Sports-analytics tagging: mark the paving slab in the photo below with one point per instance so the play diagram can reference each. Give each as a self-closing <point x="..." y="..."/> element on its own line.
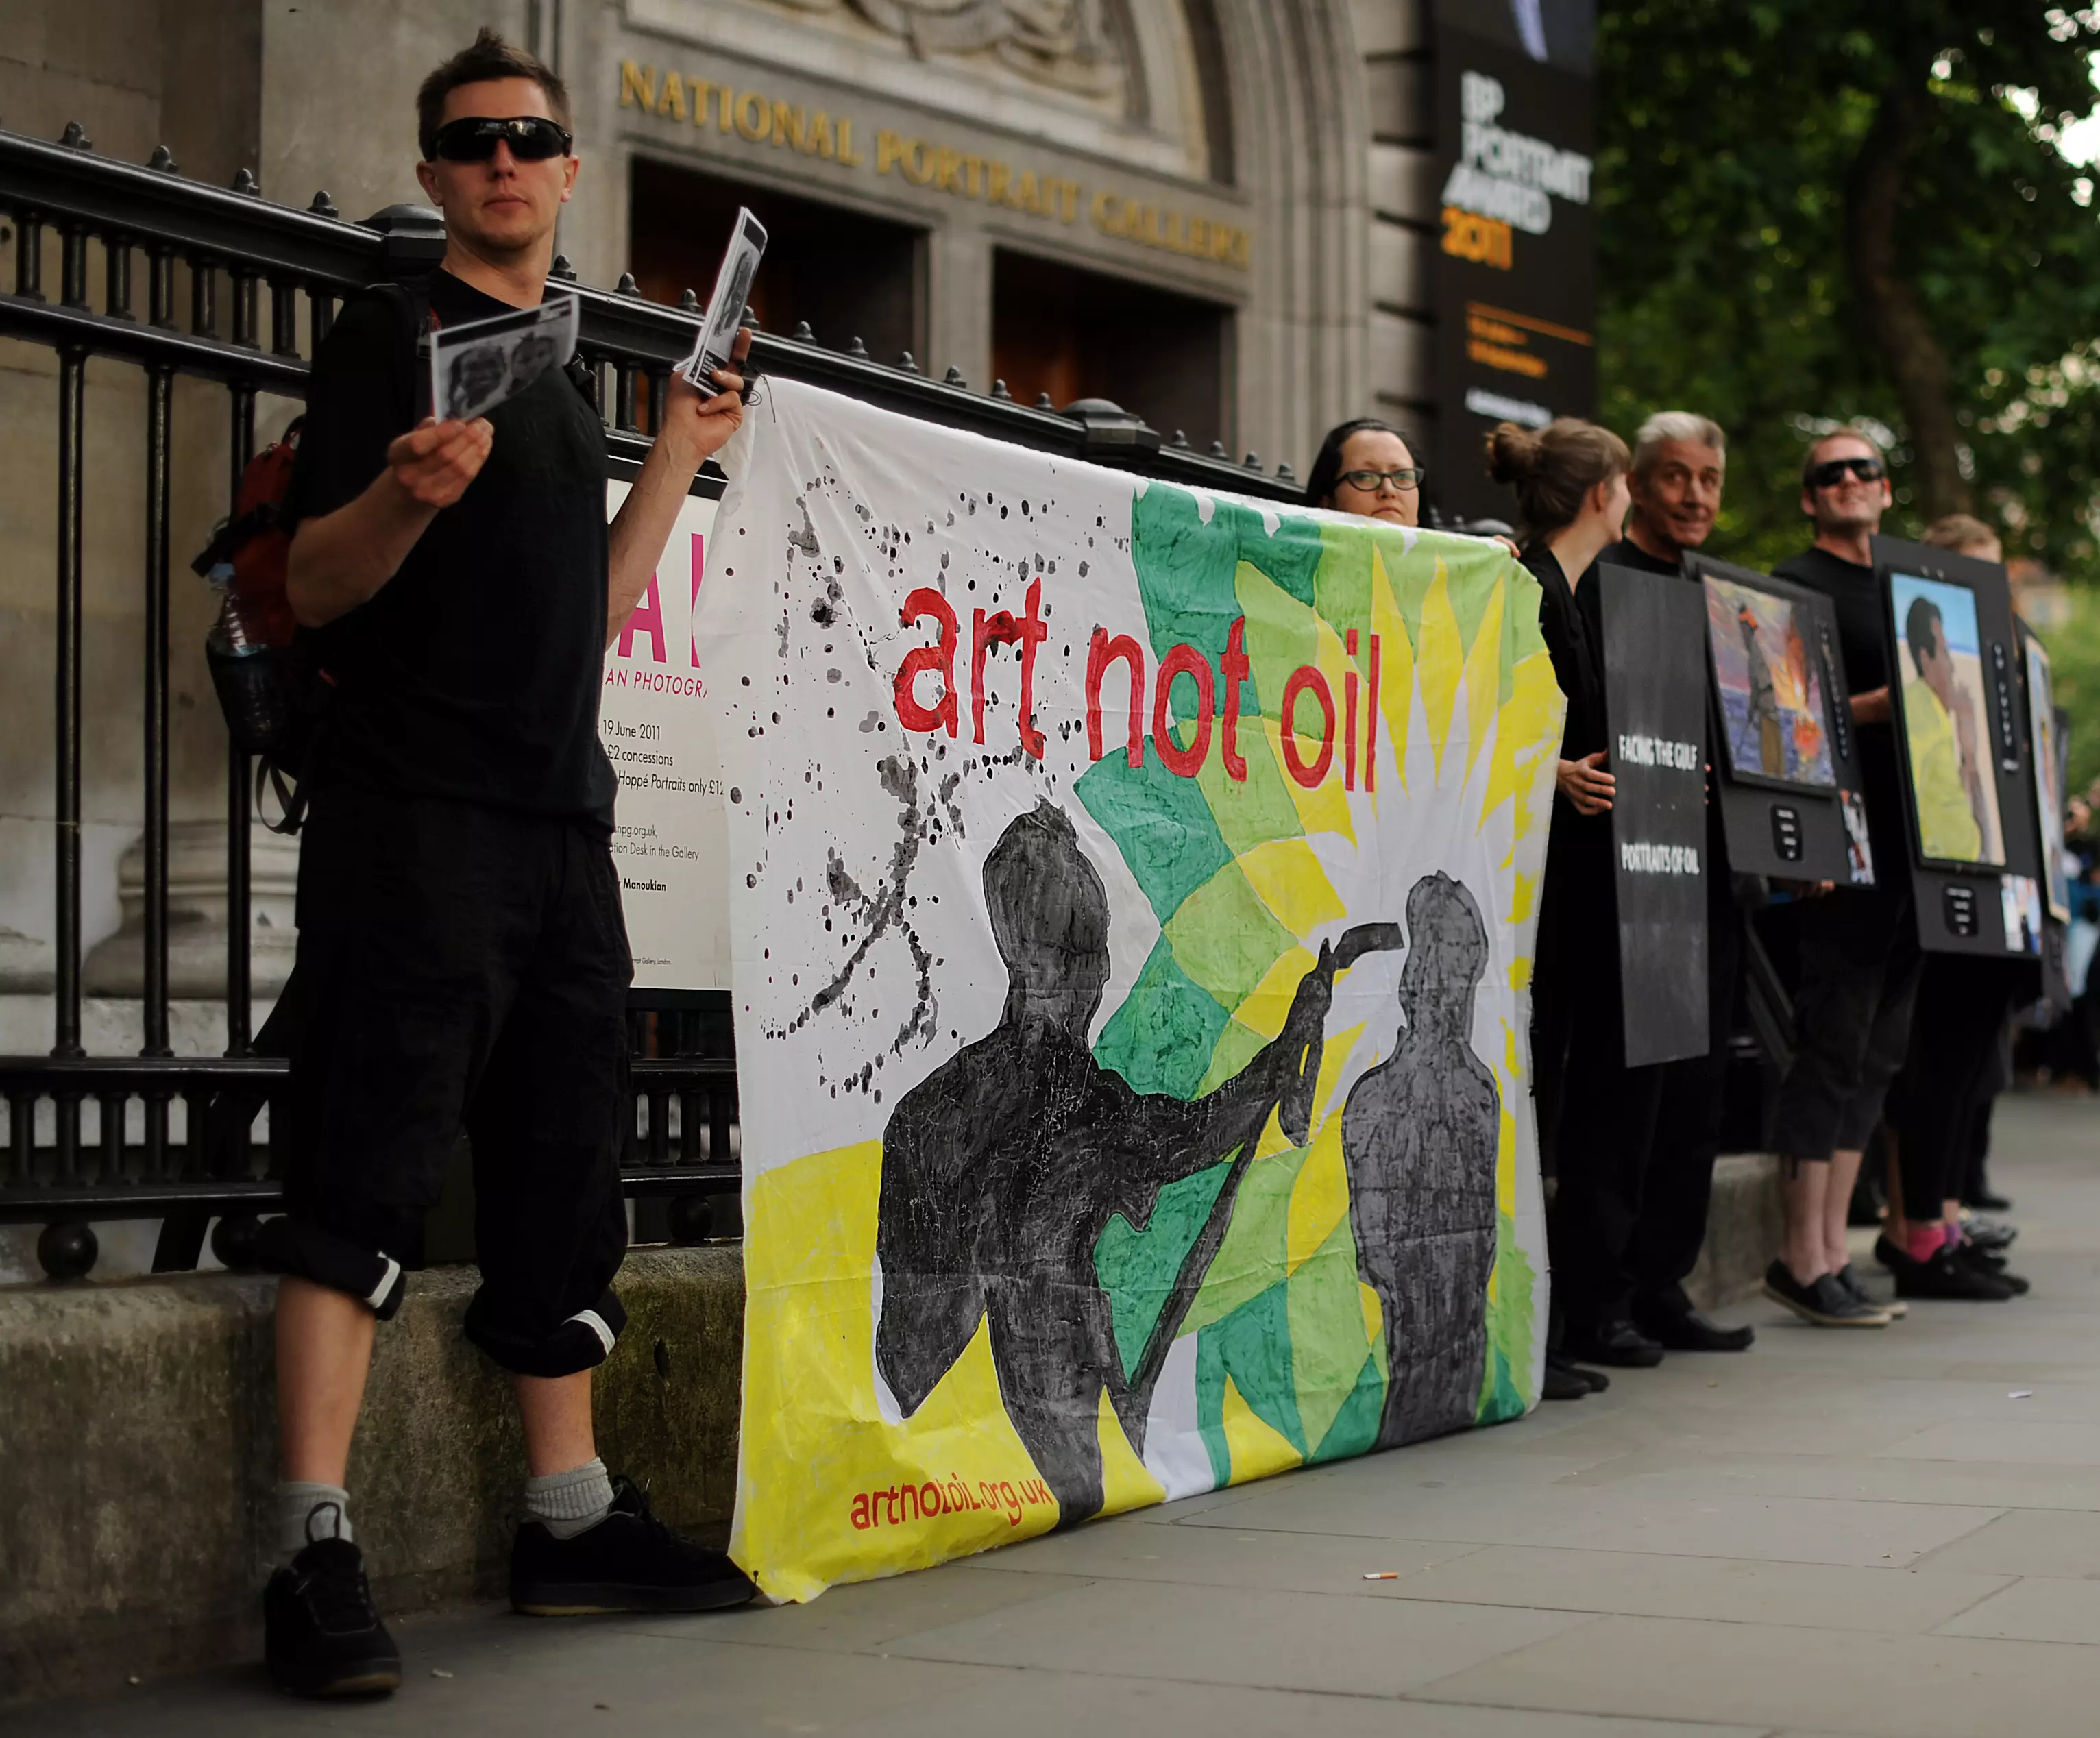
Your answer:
<point x="1768" y="1674"/>
<point x="1729" y="1590"/>
<point x="1832" y="1536"/>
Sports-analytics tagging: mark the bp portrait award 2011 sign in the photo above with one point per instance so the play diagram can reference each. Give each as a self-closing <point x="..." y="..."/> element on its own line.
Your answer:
<point x="1131" y="902"/>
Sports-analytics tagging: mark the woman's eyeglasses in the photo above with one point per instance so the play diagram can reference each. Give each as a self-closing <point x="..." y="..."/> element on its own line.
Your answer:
<point x="1832" y="472"/>
<point x="1406" y="477"/>
<point x="473" y="138"/>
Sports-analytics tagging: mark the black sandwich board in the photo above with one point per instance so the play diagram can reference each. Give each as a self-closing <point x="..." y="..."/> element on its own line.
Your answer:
<point x="1655" y="709"/>
<point x="1959" y="708"/>
<point x="1793" y="802"/>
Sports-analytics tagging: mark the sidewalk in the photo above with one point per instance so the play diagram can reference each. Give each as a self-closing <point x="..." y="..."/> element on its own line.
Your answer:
<point x="1837" y="1533"/>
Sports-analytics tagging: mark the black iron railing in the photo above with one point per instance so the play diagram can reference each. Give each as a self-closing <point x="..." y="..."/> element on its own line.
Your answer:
<point x="174" y="1138"/>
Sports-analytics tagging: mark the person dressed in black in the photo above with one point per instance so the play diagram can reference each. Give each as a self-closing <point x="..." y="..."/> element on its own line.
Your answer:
<point x="1679" y="466"/>
<point x="1596" y="1116"/>
<point x="1858" y="946"/>
<point x="1939" y="1109"/>
<point x="462" y="960"/>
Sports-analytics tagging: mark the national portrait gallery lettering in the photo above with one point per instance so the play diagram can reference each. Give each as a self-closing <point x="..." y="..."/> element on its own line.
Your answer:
<point x="760" y="119"/>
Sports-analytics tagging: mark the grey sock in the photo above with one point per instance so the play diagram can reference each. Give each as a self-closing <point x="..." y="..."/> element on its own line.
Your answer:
<point x="305" y="1512"/>
<point x="568" y="1503"/>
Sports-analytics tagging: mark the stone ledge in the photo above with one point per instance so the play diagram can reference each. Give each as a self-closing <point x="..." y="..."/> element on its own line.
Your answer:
<point x="137" y="1440"/>
<point x="1743" y="1228"/>
<point x="138" y="1443"/>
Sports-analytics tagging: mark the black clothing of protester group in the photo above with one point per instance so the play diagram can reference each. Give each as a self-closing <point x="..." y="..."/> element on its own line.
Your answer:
<point x="1632" y="1150"/>
<point x="463" y="961"/>
<point x="1879" y="1029"/>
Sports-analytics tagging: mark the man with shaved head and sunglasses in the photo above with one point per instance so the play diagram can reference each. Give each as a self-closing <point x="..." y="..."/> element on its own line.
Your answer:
<point x="463" y="965"/>
<point x="1860" y="962"/>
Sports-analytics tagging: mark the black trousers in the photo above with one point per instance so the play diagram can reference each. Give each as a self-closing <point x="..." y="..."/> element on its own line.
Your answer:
<point x="1677" y="1187"/>
<point x="1949" y="1077"/>
<point x="1860" y="966"/>
<point x="1597" y="1117"/>
<point x="462" y="968"/>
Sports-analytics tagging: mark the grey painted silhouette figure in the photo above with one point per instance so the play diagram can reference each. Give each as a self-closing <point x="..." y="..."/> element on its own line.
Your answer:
<point x="1418" y="1137"/>
<point x="1001" y="1170"/>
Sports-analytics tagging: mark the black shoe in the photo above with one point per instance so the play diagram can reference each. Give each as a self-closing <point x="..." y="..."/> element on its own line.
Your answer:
<point x="1823" y="1301"/>
<point x="1941" y="1275"/>
<point x="1681" y="1328"/>
<point x="1984" y="1200"/>
<point x="1562" y="1381"/>
<point x="322" y="1635"/>
<point x="1620" y="1343"/>
<point x="628" y="1562"/>
<point x="1990" y="1266"/>
<point x="1991" y="1234"/>
<point x="1895" y="1309"/>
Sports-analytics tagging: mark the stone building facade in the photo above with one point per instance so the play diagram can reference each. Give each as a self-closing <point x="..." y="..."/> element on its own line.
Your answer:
<point x="1217" y="212"/>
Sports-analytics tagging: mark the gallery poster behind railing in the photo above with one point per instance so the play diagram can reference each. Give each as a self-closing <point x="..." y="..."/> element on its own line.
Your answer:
<point x="657" y="721"/>
<point x="1132" y="897"/>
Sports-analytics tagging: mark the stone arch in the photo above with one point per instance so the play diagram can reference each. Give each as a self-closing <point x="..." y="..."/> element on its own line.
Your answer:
<point x="1299" y="130"/>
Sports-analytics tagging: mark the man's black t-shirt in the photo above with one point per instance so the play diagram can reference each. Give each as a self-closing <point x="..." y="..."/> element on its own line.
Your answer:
<point x="474" y="672"/>
<point x="1862" y="646"/>
<point x="1625" y="553"/>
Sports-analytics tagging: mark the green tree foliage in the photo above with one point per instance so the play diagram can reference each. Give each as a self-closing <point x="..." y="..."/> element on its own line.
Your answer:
<point x="1823" y="209"/>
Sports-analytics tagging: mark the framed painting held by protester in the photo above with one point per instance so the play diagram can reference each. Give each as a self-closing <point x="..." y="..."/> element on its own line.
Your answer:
<point x="1959" y="714"/>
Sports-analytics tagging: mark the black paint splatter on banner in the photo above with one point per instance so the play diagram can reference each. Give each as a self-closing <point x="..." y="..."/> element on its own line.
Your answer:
<point x="1001" y="1170"/>
<point x="1419" y="1132"/>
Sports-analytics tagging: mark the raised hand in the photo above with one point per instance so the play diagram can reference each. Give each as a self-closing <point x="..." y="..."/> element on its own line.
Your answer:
<point x="699" y="427"/>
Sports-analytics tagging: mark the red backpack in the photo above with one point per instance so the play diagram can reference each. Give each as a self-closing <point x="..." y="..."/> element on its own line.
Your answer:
<point x="270" y="688"/>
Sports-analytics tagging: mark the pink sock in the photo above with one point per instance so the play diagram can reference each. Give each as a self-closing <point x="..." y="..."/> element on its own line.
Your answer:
<point x="1924" y="1242"/>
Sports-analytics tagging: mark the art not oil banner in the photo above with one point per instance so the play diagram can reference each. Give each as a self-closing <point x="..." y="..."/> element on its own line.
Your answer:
<point x="1133" y="894"/>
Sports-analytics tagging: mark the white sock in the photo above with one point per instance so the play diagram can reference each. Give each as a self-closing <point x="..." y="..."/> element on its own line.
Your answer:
<point x="568" y="1503"/>
<point x="305" y="1512"/>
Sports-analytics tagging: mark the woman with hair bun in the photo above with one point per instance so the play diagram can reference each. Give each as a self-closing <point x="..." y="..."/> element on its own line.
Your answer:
<point x="1595" y="1115"/>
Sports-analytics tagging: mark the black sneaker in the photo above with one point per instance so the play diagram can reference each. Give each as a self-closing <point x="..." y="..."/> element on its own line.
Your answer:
<point x="1562" y="1381"/>
<point x="1674" y="1325"/>
<point x="1823" y="1301"/>
<point x="1619" y="1343"/>
<point x="321" y="1635"/>
<point x="1993" y="1234"/>
<point x="1848" y="1277"/>
<point x="1942" y="1275"/>
<point x="1993" y="1267"/>
<point x="628" y="1562"/>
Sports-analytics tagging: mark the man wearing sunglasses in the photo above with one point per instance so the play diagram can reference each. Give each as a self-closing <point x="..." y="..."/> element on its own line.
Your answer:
<point x="1859" y="956"/>
<point x="463" y="965"/>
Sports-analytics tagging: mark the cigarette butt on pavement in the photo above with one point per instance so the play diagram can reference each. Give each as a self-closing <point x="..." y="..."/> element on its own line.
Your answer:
<point x="1383" y="1575"/>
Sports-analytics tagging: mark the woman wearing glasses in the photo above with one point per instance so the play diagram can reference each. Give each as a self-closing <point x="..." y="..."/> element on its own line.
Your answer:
<point x="1365" y="467"/>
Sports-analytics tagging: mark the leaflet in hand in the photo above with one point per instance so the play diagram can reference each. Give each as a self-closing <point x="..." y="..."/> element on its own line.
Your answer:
<point x="717" y="334"/>
<point x="477" y="366"/>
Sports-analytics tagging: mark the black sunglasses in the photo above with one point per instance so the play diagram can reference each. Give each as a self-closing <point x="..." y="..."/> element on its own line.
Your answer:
<point x="1831" y="472"/>
<point x="473" y="138"/>
<point x="1403" y="477"/>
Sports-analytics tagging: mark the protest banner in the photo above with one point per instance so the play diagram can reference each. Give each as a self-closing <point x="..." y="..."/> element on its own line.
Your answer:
<point x="1655" y="705"/>
<point x="1132" y="897"/>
